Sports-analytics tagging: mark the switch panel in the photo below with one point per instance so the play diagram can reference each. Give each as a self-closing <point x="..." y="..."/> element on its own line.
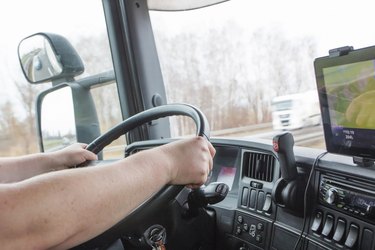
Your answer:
<point x="251" y="229"/>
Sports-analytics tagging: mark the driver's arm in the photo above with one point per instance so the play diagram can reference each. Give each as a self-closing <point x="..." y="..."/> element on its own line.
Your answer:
<point x="62" y="209"/>
<point x="13" y="169"/>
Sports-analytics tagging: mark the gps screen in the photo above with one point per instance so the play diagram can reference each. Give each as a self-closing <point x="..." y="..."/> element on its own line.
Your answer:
<point x="346" y="87"/>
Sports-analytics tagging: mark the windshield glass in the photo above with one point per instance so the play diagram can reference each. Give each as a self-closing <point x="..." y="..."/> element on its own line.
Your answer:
<point x="282" y="105"/>
<point x="234" y="59"/>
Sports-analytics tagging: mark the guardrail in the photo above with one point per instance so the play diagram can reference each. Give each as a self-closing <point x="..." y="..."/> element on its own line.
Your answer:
<point x="251" y="129"/>
<point x="310" y="139"/>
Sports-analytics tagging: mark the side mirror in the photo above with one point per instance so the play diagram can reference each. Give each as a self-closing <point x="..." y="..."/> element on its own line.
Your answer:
<point x="57" y="120"/>
<point x="49" y="57"/>
<point x="66" y="114"/>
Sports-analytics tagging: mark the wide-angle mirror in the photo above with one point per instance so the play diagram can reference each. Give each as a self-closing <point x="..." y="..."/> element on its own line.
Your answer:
<point x="57" y="119"/>
<point x="38" y="59"/>
<point x="48" y="57"/>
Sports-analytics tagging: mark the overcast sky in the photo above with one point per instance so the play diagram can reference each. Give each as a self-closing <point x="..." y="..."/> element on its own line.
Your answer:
<point x="18" y="21"/>
<point x="320" y="18"/>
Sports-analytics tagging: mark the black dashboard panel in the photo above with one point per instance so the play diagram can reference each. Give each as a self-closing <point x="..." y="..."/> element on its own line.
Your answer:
<point x="260" y="225"/>
<point x="340" y="201"/>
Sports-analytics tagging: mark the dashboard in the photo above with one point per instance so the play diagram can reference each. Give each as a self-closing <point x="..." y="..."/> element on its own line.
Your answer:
<point x="339" y="202"/>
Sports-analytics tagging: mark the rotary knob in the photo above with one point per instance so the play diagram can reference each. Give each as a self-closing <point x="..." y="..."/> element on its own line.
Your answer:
<point x="331" y="196"/>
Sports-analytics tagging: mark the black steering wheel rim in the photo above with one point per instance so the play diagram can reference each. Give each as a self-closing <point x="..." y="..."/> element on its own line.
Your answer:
<point x="167" y="193"/>
<point x="150" y="115"/>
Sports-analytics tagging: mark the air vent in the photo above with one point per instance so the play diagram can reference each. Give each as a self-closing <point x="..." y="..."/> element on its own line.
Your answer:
<point x="258" y="166"/>
<point x="132" y="151"/>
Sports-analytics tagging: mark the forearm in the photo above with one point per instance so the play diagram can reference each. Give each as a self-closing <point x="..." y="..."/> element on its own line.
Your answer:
<point x="94" y="200"/>
<point x="13" y="169"/>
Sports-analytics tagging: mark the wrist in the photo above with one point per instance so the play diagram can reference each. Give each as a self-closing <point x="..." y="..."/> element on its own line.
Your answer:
<point x="161" y="164"/>
<point x="166" y="162"/>
<point x="53" y="160"/>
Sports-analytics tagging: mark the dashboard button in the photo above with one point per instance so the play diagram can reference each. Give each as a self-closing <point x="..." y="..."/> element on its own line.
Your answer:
<point x="238" y="230"/>
<point x="351" y="239"/>
<point x="331" y="196"/>
<point x="340" y="231"/>
<point x="268" y="204"/>
<point x="258" y="238"/>
<point x="257" y="185"/>
<point x="252" y="198"/>
<point x="260" y="203"/>
<point x="328" y="226"/>
<point x="317" y="223"/>
<point x="245" y="196"/>
<point x="370" y="212"/>
<point x="367" y="238"/>
<point x="240" y="219"/>
<point x="260" y="226"/>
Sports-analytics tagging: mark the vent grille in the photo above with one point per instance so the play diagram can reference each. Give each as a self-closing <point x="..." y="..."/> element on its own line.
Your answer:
<point x="135" y="150"/>
<point x="258" y="166"/>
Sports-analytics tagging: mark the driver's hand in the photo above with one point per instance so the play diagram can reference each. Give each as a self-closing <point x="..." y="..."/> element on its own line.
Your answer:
<point x="361" y="112"/>
<point x="190" y="161"/>
<point x="71" y="156"/>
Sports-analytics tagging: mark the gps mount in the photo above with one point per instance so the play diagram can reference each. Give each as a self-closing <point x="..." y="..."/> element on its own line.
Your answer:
<point x="341" y="51"/>
<point x="363" y="162"/>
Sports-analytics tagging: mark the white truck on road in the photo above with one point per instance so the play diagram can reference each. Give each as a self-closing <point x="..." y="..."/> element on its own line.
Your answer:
<point x="296" y="111"/>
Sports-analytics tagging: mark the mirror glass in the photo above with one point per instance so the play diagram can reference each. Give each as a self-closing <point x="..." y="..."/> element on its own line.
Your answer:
<point x="57" y="119"/>
<point x="38" y="59"/>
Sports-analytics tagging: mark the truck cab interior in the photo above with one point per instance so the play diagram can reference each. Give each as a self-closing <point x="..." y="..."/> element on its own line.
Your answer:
<point x="312" y="188"/>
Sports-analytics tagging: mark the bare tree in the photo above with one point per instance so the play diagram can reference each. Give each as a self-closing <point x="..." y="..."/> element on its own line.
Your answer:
<point x="231" y="74"/>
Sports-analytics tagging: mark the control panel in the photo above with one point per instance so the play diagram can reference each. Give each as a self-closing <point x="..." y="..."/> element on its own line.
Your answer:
<point x="345" y="216"/>
<point x="251" y="229"/>
<point x="347" y="198"/>
<point x="342" y="232"/>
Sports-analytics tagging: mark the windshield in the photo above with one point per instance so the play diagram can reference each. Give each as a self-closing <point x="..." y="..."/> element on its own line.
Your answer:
<point x="235" y="59"/>
<point x="282" y="105"/>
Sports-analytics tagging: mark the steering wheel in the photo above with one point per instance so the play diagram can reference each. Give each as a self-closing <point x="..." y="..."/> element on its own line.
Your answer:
<point x="158" y="201"/>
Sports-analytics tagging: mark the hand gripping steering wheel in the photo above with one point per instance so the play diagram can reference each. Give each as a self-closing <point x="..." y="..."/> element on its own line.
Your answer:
<point x="145" y="212"/>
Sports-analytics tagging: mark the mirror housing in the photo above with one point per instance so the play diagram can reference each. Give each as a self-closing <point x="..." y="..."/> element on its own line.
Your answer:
<point x="48" y="57"/>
